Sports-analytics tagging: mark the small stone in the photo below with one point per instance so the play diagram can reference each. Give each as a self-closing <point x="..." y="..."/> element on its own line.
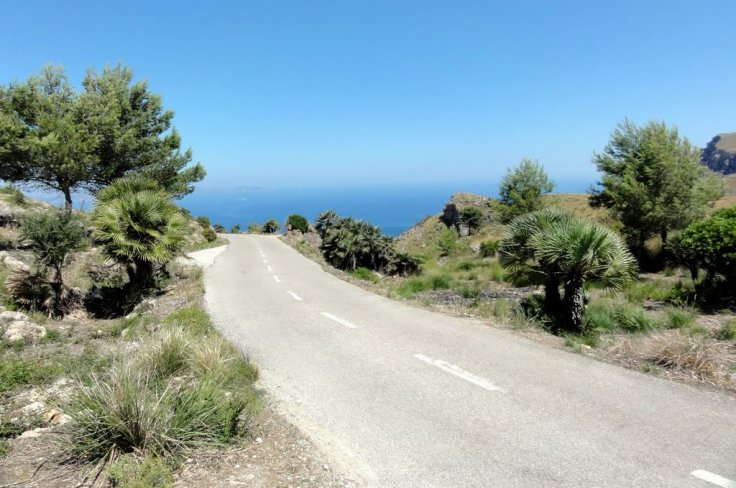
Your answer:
<point x="20" y="330"/>
<point x="37" y="432"/>
<point x="8" y="316"/>
<point x="35" y="408"/>
<point x="326" y="467"/>
<point x="259" y="440"/>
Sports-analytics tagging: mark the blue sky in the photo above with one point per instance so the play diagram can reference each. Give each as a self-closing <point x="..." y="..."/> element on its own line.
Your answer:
<point x="316" y="93"/>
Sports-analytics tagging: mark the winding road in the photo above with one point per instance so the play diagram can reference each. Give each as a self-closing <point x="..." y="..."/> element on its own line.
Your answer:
<point x="403" y="397"/>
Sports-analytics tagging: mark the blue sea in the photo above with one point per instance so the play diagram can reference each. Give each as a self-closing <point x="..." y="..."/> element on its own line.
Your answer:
<point x="392" y="208"/>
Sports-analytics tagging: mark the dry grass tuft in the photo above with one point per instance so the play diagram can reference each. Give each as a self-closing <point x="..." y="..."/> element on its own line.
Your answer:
<point x="679" y="354"/>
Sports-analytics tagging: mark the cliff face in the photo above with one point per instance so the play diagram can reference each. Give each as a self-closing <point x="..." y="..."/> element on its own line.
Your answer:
<point x="720" y="154"/>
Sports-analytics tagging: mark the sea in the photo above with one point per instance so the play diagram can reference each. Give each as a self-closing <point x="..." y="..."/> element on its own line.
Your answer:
<point x="392" y="208"/>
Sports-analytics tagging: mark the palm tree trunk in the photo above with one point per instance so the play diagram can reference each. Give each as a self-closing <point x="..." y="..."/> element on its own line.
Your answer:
<point x="552" y="297"/>
<point x="143" y="273"/>
<point x="573" y="306"/>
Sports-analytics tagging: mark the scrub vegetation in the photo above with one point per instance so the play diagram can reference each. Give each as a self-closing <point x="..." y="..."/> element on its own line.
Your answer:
<point x="649" y="289"/>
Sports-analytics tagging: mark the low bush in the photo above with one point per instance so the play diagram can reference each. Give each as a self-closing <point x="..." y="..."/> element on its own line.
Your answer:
<point x="235" y="229"/>
<point x="472" y="217"/>
<point x="297" y="222"/>
<point x="209" y="234"/>
<point x="219" y="228"/>
<point x="204" y="222"/>
<point x="488" y="249"/>
<point x="254" y="228"/>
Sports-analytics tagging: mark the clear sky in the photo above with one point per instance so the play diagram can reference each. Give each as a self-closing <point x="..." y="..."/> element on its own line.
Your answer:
<point x="317" y="93"/>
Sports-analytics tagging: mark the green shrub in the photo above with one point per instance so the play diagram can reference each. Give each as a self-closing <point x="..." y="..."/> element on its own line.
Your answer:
<point x="365" y="274"/>
<point x="297" y="222"/>
<point x="489" y="248"/>
<point x="472" y="217"/>
<point x="209" y="235"/>
<point x="54" y="237"/>
<point x="148" y="472"/>
<point x="219" y="228"/>
<point x="447" y="243"/>
<point x="271" y="226"/>
<point x="254" y="228"/>
<point x="235" y="229"/>
<point x="204" y="222"/>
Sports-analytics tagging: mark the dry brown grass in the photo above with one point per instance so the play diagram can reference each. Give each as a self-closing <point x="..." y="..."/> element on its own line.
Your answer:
<point x="680" y="355"/>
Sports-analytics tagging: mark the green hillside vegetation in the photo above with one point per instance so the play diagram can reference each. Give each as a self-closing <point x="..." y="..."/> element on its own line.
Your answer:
<point x="656" y="318"/>
<point x="95" y="299"/>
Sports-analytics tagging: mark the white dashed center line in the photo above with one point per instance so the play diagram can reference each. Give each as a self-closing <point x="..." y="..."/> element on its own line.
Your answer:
<point x="295" y="296"/>
<point x="265" y="261"/>
<point x="459" y="372"/>
<point x="276" y="279"/>
<point x="269" y="269"/>
<point x="340" y="321"/>
<point x="714" y="478"/>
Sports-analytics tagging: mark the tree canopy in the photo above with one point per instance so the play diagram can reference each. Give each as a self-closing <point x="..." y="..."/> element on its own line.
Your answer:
<point x="56" y="138"/>
<point x="522" y="189"/>
<point x="652" y="181"/>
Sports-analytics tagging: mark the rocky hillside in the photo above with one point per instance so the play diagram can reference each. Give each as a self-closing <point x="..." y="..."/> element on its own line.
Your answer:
<point x="720" y="153"/>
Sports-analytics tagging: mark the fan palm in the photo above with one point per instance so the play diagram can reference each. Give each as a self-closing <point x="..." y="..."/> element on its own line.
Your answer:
<point x="325" y="221"/>
<point x="517" y="254"/>
<point x="139" y="227"/>
<point x="551" y="247"/>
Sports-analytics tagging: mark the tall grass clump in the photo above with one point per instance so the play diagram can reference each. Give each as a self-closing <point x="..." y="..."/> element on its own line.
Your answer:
<point x="194" y="320"/>
<point x="679" y="318"/>
<point x="365" y="274"/>
<point x="606" y="315"/>
<point x="431" y="282"/>
<point x="184" y="387"/>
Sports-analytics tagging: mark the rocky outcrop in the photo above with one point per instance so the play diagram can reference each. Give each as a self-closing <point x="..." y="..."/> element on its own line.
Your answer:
<point x="10" y="213"/>
<point x="15" y="327"/>
<point x="451" y="214"/>
<point x="720" y="153"/>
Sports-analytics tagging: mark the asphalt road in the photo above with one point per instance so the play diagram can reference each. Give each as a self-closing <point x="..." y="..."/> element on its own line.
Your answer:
<point x="403" y="397"/>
